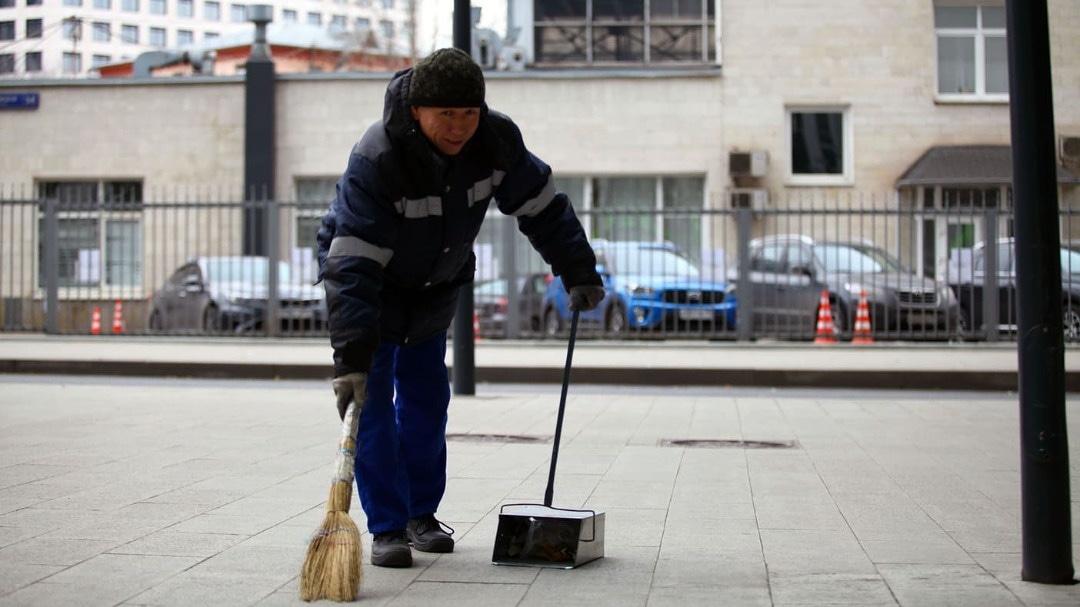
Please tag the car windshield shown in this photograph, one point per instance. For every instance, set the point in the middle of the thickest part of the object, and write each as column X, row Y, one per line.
column 250, row 270
column 848, row 259
column 490, row 287
column 649, row 261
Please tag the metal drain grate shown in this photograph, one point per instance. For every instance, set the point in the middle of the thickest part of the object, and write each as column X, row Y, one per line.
column 497, row 438
column 715, row 443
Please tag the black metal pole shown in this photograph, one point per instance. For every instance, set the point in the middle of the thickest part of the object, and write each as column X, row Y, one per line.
column 259, row 81
column 1044, row 467
column 464, row 366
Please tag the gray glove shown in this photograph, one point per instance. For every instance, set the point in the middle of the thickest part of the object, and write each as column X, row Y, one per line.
column 350, row 387
column 585, row 297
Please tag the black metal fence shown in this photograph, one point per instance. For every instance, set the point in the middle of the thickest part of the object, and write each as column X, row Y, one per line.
column 113, row 261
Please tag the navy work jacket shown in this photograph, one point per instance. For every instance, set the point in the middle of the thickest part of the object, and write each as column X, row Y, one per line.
column 397, row 242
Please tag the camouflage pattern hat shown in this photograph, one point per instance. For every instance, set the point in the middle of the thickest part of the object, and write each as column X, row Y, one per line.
column 447, row 78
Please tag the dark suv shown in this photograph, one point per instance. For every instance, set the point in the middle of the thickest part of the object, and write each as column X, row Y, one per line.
column 650, row 285
column 969, row 284
column 789, row 273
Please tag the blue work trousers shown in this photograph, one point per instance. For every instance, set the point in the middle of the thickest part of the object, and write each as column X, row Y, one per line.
column 401, row 442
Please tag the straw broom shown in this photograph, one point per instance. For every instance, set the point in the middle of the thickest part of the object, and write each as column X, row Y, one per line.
column 332, row 566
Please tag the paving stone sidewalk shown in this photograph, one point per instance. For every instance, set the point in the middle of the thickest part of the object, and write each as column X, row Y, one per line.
column 141, row 492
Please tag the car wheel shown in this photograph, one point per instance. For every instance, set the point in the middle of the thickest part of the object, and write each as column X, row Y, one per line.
column 155, row 324
column 616, row 322
column 211, row 319
column 1070, row 321
column 552, row 322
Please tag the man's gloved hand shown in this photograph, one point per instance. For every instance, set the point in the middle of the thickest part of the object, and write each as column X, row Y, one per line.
column 349, row 387
column 585, row 297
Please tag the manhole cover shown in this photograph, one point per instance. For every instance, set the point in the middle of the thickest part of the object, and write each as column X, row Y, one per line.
column 713, row 443
column 496, row 438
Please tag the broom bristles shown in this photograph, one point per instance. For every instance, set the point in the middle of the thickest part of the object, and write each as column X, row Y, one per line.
column 332, row 567
column 340, row 497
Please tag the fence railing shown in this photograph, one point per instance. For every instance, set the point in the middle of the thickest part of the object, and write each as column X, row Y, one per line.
column 220, row 267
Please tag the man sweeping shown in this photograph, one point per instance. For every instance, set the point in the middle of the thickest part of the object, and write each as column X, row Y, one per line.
column 395, row 248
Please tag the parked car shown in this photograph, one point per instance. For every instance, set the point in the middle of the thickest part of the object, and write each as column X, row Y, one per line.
column 491, row 303
column 968, row 284
column 650, row 285
column 230, row 294
column 789, row 273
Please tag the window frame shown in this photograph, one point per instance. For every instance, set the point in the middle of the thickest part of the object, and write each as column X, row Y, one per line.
column 32, row 67
column 589, row 26
column 103, row 212
column 979, row 34
column 846, row 177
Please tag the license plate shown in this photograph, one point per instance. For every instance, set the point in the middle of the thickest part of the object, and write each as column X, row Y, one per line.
column 695, row 314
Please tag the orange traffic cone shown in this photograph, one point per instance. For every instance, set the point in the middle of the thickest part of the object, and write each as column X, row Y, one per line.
column 826, row 330
column 95, row 322
column 863, row 331
column 118, row 318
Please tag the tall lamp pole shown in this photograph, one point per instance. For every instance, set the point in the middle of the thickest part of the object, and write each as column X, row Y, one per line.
column 1044, row 447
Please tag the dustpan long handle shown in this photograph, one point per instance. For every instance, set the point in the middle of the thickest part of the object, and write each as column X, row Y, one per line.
column 562, row 408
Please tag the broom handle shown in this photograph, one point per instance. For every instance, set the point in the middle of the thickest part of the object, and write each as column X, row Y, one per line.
column 562, row 408
column 346, row 457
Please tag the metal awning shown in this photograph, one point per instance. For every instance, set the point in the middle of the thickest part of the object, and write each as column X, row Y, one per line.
column 967, row 165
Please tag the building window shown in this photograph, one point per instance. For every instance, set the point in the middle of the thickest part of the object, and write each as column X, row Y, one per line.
column 972, row 58
column 288, row 16
column 629, row 208
column 67, row 3
column 7, row 3
column 387, row 29
column 819, row 145
column 72, row 63
column 362, row 24
column 185, row 8
column 337, row 24
column 388, row 4
column 129, row 6
column 103, row 4
column 100, row 233
column 102, row 32
column 33, row 2
column 185, row 37
column 129, row 34
column 157, row 36
column 33, row 28
column 314, row 18
column 99, row 60
column 238, row 13
column 159, row 7
column 208, row 36
column 72, row 28
column 609, row 32
column 7, row 63
column 212, row 11
column 33, row 61
column 7, row 30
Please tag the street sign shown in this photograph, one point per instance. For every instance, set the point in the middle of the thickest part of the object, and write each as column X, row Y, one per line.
column 19, row 101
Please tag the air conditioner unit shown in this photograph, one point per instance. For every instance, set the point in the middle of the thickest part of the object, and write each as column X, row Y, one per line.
column 747, row 164
column 755, row 199
column 1070, row 149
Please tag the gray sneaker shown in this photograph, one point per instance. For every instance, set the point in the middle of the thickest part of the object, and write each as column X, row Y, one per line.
column 427, row 534
column 391, row 549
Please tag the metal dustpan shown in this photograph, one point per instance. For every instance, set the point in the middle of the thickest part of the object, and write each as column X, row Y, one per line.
column 540, row 535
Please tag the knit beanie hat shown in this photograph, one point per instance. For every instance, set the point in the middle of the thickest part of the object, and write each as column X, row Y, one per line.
column 447, row 78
